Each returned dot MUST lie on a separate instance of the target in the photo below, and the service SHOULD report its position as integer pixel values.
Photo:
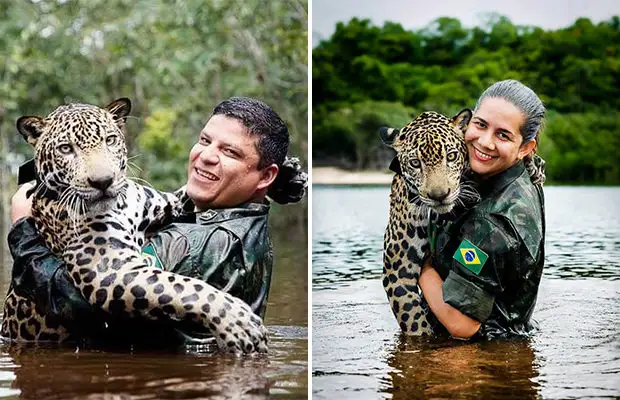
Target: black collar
(242, 210)
(498, 182)
(395, 166)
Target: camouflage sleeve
(225, 261)
(169, 250)
(478, 264)
(212, 254)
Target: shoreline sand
(337, 176)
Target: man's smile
(206, 175)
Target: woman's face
(494, 139)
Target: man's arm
(458, 324)
(38, 273)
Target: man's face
(223, 165)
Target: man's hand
(21, 206)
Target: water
(50, 372)
(357, 349)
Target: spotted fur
(95, 219)
(430, 160)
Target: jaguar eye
(415, 163)
(65, 149)
(452, 156)
(111, 140)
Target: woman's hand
(458, 324)
(21, 206)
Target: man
(239, 160)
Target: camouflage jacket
(491, 258)
(228, 248)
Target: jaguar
(430, 187)
(92, 216)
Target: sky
(415, 14)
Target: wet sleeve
(38, 274)
(475, 276)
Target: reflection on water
(52, 372)
(358, 350)
(463, 370)
(61, 374)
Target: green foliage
(175, 60)
(165, 155)
(445, 67)
(576, 152)
(356, 127)
(156, 138)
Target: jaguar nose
(438, 195)
(101, 183)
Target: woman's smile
(484, 157)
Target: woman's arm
(458, 324)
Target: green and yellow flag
(470, 256)
(150, 252)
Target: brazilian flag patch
(470, 256)
(149, 252)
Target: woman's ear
(526, 149)
(268, 175)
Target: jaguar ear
(388, 135)
(120, 109)
(461, 120)
(31, 128)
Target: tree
(445, 67)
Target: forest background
(175, 60)
(366, 76)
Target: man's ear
(268, 175)
(31, 128)
(526, 149)
(120, 109)
(461, 120)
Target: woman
(486, 269)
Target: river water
(358, 352)
(52, 372)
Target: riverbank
(337, 176)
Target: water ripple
(358, 351)
(348, 239)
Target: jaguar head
(431, 157)
(80, 152)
